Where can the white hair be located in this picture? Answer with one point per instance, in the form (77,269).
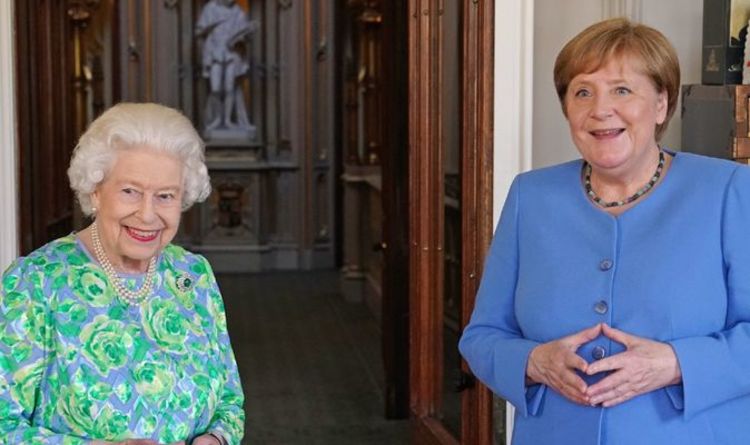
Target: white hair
(126,125)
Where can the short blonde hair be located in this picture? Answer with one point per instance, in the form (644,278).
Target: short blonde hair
(615,38)
(126,125)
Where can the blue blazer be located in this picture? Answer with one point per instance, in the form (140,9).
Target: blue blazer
(673,268)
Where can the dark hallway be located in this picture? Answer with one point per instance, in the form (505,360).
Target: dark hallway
(310,361)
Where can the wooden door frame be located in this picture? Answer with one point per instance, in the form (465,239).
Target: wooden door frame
(425,222)
(477,179)
(426,207)
(395,204)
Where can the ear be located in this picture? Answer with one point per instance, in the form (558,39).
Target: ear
(95,197)
(661,107)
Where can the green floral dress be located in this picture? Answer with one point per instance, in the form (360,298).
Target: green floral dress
(77,364)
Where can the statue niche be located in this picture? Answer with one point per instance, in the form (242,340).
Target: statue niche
(225,29)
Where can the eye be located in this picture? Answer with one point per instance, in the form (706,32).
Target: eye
(166,197)
(622,91)
(582,92)
(130,192)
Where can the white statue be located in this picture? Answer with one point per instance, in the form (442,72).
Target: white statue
(224,25)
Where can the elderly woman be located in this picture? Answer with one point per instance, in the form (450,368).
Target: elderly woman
(114,335)
(615,303)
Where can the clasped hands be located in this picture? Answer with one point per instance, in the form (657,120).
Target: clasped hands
(205,439)
(644,366)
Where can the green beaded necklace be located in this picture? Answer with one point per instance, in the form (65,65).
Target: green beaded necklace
(641,191)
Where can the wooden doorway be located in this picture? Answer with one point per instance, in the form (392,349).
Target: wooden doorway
(45,74)
(450,183)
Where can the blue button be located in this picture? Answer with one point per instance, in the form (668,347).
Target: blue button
(605,264)
(598,352)
(601,307)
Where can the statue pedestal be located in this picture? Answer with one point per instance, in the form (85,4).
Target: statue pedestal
(231,135)
(248,222)
(235,150)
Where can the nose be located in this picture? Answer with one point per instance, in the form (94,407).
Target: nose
(146,210)
(602,106)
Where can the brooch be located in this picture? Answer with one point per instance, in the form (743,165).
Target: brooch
(184,283)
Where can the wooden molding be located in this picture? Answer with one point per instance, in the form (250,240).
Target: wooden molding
(8,166)
(477,219)
(426,207)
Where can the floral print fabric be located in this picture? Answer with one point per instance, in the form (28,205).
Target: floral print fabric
(77,364)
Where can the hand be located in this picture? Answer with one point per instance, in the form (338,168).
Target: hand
(205,439)
(644,366)
(126,442)
(554,364)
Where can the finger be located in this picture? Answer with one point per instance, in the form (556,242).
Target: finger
(575,393)
(575,361)
(617,380)
(612,397)
(569,384)
(624,397)
(577,398)
(619,336)
(611,363)
(585,335)
(575,384)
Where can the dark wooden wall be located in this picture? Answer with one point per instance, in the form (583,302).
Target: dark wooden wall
(45,129)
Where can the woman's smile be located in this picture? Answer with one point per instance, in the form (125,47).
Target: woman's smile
(145,236)
(607,134)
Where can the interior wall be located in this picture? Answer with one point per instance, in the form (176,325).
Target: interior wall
(513,84)
(8,210)
(679,20)
(682,22)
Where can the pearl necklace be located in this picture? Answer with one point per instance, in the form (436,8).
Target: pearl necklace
(641,191)
(126,295)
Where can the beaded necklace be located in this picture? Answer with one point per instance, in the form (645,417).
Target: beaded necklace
(641,191)
(123,292)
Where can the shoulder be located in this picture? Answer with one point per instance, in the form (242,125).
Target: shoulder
(40,270)
(61,250)
(546,175)
(544,181)
(708,179)
(708,168)
(180,256)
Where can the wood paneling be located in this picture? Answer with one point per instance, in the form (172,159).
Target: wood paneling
(46,118)
(426,223)
(477,115)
